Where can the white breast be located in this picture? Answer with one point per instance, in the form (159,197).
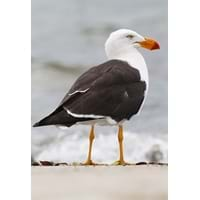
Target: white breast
(137,61)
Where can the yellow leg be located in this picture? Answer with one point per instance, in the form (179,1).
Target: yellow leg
(120,139)
(121,151)
(91,138)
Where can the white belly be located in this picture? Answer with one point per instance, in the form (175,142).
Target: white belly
(101,122)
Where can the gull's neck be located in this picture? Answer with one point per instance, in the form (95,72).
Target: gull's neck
(134,59)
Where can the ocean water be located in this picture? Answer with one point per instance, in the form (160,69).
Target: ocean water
(68,38)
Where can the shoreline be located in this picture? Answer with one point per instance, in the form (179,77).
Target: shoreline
(50,163)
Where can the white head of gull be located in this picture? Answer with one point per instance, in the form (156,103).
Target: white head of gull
(123,44)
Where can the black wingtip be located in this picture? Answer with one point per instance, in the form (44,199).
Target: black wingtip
(36,124)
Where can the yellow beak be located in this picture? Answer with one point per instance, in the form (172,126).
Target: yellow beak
(150,44)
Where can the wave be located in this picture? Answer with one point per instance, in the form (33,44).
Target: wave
(73,148)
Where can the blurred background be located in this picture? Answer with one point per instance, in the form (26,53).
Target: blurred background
(68,38)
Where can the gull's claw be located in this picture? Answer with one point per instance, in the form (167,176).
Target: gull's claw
(89,162)
(120,162)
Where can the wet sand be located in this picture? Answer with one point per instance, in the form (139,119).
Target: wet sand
(148,182)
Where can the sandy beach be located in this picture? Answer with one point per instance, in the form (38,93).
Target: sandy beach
(145,182)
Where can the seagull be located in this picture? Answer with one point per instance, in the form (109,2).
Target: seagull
(109,93)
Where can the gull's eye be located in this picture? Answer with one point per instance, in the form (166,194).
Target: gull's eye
(130,36)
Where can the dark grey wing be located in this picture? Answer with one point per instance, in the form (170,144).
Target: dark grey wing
(114,89)
(111,89)
(87,79)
